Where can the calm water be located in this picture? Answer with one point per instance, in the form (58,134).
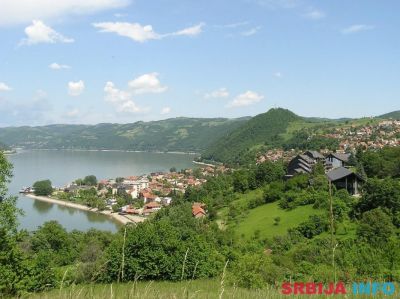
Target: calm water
(62,167)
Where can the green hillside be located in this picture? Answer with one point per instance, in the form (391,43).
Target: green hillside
(262,219)
(178,134)
(393,115)
(262,129)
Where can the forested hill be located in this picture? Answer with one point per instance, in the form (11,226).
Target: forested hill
(177,134)
(393,115)
(261,129)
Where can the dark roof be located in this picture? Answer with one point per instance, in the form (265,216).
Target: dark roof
(306,158)
(339,173)
(315,154)
(341,157)
(299,170)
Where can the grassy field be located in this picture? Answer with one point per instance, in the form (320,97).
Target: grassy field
(242,202)
(199,289)
(262,219)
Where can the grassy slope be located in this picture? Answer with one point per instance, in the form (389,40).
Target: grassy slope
(199,289)
(262,219)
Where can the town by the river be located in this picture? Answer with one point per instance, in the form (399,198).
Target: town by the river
(62,167)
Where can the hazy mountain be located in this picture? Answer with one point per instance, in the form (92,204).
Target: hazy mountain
(177,134)
(393,115)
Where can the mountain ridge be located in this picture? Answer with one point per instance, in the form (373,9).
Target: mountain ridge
(217,139)
(174,134)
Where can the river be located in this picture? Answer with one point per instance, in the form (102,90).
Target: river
(62,167)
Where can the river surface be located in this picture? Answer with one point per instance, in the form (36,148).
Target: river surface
(62,167)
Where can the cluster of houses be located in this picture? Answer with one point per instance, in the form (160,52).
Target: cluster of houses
(274,155)
(152,191)
(372,136)
(336,167)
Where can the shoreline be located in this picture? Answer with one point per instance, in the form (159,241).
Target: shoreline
(202,163)
(119,218)
(113,150)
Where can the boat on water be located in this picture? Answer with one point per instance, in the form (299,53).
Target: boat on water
(27,190)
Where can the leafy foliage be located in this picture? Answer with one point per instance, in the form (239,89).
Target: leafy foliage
(43,188)
(382,163)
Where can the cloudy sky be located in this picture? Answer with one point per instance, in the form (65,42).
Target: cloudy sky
(91,61)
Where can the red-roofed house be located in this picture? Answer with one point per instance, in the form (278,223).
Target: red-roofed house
(198,210)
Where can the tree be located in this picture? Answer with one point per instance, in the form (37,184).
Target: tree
(240,181)
(318,169)
(268,172)
(273,192)
(376,227)
(380,193)
(14,269)
(172,169)
(43,188)
(90,180)
(254,271)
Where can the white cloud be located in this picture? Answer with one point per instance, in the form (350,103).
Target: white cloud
(23,11)
(165,110)
(357,28)
(147,83)
(56,66)
(314,14)
(190,31)
(4,87)
(233,25)
(216,94)
(251,32)
(245,99)
(114,95)
(39,32)
(129,107)
(140,33)
(122,100)
(72,113)
(278,75)
(76,88)
(134,31)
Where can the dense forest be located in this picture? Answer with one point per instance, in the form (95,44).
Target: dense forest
(345,238)
(262,129)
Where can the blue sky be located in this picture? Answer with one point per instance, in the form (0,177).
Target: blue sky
(92,61)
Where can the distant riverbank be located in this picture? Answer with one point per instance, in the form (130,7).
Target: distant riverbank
(120,218)
(113,150)
(204,164)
